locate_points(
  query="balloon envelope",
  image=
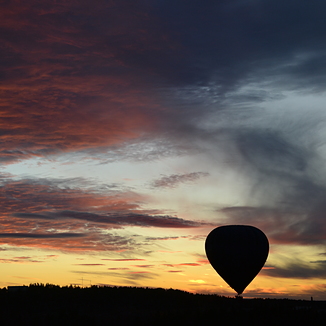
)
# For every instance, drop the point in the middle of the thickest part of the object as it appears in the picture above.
(237, 253)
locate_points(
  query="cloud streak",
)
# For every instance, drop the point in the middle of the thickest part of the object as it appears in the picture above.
(174, 180)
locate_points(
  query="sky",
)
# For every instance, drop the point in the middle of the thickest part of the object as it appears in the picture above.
(131, 129)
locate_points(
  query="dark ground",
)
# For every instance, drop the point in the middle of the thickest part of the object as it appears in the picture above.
(49, 304)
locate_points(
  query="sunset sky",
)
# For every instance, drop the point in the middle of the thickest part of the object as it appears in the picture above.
(130, 129)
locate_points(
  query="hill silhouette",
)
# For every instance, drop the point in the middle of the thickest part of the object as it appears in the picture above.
(49, 304)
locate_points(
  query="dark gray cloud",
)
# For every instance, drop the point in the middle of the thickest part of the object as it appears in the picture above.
(298, 269)
(33, 216)
(132, 219)
(268, 151)
(174, 180)
(229, 40)
(128, 275)
(288, 225)
(140, 275)
(287, 181)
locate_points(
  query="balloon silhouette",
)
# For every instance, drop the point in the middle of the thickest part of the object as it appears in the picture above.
(237, 253)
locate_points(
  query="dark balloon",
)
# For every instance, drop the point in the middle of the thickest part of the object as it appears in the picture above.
(237, 253)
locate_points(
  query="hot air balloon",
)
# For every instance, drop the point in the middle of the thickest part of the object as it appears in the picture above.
(237, 253)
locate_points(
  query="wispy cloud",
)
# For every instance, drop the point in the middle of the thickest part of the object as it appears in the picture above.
(40, 235)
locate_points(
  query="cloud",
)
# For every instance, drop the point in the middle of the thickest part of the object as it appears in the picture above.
(140, 275)
(40, 208)
(164, 238)
(90, 242)
(90, 264)
(269, 151)
(298, 269)
(288, 225)
(143, 266)
(79, 72)
(116, 219)
(88, 70)
(19, 260)
(115, 209)
(71, 84)
(245, 32)
(124, 259)
(41, 235)
(27, 259)
(199, 263)
(197, 281)
(133, 276)
(286, 182)
(174, 180)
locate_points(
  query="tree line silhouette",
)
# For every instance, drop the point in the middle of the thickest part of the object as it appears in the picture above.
(49, 304)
